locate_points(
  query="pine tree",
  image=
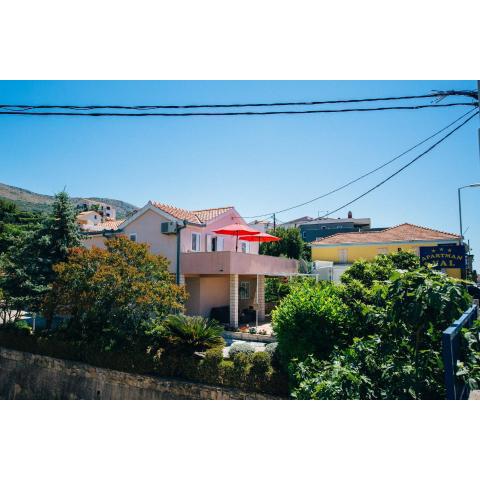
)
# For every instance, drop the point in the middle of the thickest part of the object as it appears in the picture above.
(27, 267)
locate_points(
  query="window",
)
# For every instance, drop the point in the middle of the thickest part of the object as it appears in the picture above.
(244, 246)
(195, 242)
(133, 237)
(244, 290)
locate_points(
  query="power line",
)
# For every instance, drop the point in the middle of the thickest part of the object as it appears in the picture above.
(223, 114)
(404, 167)
(361, 177)
(441, 94)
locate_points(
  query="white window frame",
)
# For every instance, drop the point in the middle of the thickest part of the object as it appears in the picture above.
(244, 290)
(245, 244)
(198, 242)
(134, 235)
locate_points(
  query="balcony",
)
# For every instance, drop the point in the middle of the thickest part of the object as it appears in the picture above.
(215, 263)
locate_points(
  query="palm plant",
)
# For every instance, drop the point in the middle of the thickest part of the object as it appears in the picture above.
(192, 334)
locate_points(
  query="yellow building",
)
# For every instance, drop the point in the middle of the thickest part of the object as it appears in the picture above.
(345, 248)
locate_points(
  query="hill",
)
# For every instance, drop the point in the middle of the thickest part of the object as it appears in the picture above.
(31, 201)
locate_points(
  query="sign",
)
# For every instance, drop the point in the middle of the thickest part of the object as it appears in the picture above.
(444, 256)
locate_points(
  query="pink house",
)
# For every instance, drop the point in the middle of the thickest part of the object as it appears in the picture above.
(214, 273)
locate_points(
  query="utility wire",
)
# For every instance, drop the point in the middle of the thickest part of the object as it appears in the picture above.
(223, 114)
(404, 167)
(441, 94)
(376, 169)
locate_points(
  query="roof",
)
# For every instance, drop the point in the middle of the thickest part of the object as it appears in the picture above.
(193, 216)
(301, 219)
(325, 221)
(88, 212)
(404, 232)
(109, 225)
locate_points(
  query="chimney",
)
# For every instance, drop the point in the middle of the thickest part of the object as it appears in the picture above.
(350, 214)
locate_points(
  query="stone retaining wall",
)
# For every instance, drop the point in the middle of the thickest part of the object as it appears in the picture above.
(28, 376)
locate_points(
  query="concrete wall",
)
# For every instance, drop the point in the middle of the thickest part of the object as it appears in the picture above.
(28, 376)
(147, 227)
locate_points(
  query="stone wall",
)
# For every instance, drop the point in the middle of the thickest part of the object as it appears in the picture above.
(28, 376)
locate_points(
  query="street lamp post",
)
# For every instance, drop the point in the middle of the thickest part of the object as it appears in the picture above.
(473, 185)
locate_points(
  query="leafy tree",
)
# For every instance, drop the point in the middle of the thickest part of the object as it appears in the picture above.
(291, 244)
(112, 295)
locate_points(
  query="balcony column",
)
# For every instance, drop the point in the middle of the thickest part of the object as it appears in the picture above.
(233, 300)
(261, 297)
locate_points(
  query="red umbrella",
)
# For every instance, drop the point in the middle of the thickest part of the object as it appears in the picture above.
(236, 229)
(262, 237)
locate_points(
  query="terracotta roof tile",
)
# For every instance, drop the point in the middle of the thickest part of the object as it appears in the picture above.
(403, 232)
(210, 213)
(194, 216)
(109, 225)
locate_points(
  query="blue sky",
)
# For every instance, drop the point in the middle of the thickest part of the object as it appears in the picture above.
(258, 164)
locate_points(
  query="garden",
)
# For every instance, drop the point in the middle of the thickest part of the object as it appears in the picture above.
(376, 335)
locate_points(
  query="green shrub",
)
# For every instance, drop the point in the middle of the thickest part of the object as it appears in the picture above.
(240, 347)
(273, 351)
(311, 320)
(261, 365)
(241, 367)
(403, 358)
(19, 327)
(192, 334)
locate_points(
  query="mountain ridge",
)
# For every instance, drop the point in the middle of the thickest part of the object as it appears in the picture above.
(32, 201)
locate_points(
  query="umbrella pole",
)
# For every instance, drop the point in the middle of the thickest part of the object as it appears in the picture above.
(236, 244)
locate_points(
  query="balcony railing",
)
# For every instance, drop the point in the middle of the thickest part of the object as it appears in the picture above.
(211, 263)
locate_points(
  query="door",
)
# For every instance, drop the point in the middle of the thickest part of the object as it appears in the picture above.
(343, 255)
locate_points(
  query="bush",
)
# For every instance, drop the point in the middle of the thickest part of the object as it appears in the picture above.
(310, 320)
(273, 351)
(19, 327)
(241, 368)
(403, 358)
(191, 334)
(261, 365)
(239, 347)
(323, 380)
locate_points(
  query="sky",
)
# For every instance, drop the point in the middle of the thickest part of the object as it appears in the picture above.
(257, 164)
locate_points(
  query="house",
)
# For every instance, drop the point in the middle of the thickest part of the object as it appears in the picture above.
(313, 228)
(297, 222)
(108, 212)
(261, 225)
(345, 248)
(89, 219)
(214, 273)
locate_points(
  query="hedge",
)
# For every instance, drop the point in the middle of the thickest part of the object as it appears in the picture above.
(246, 372)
